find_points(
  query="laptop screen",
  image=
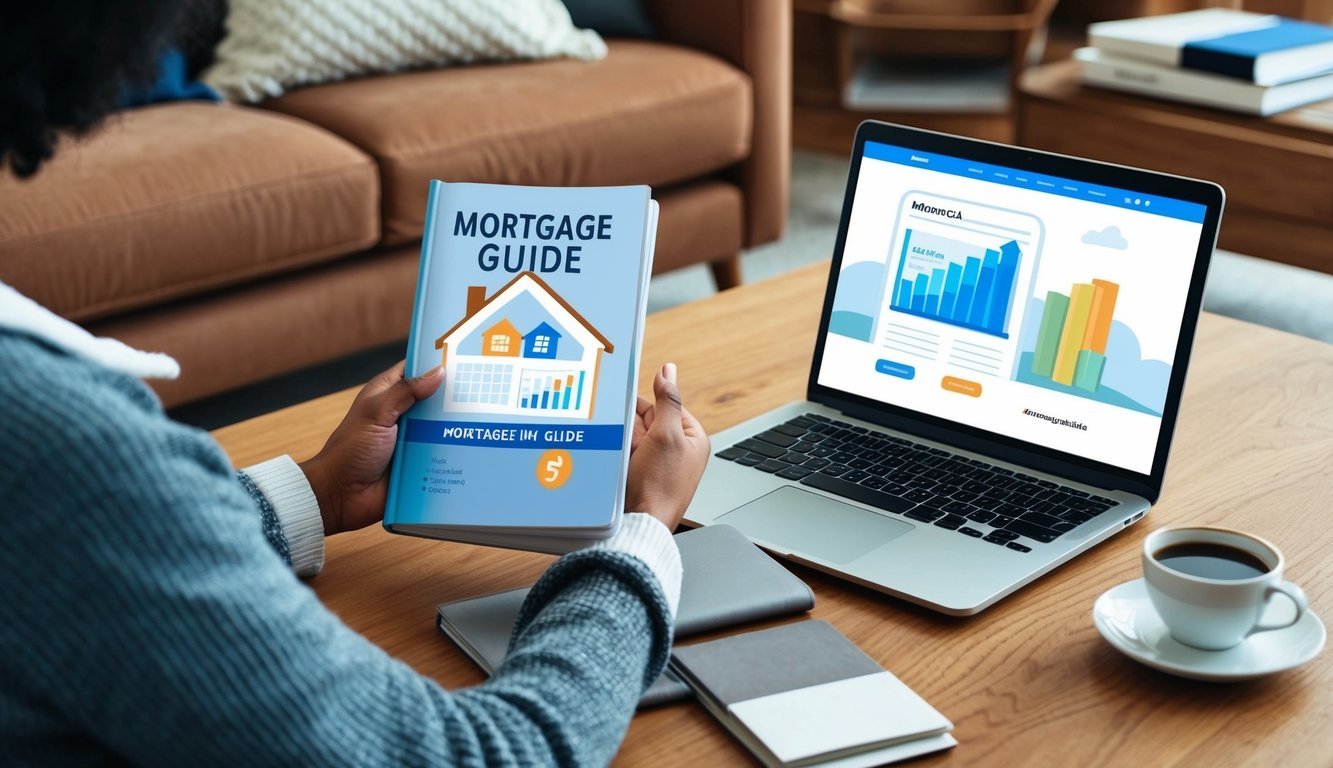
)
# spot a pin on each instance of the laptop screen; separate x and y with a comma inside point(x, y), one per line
point(1040, 308)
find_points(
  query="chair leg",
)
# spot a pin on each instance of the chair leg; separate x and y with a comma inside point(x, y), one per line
point(726, 273)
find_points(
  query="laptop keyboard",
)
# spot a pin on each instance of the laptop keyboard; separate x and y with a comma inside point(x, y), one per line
point(921, 483)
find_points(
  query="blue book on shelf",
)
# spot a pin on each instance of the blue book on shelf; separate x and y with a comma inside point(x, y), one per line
point(533, 300)
point(1259, 48)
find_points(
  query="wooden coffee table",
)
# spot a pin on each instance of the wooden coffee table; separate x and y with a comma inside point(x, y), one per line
point(1277, 171)
point(1029, 681)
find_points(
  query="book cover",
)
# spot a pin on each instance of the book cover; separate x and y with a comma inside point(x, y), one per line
point(1260, 48)
point(1149, 79)
point(533, 300)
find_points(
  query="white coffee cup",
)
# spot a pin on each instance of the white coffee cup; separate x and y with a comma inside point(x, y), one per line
point(1215, 613)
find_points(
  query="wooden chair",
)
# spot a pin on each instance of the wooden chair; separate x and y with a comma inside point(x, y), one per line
point(1002, 29)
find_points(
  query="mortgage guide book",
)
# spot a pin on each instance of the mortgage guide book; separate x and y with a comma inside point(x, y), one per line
point(533, 300)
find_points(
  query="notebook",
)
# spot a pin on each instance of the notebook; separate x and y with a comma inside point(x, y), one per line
point(727, 581)
point(802, 694)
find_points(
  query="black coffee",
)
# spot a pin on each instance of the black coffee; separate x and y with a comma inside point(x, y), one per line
point(1211, 561)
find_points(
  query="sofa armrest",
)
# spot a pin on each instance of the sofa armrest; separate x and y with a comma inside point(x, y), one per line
point(755, 36)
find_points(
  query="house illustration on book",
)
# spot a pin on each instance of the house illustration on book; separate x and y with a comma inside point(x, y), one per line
point(522, 352)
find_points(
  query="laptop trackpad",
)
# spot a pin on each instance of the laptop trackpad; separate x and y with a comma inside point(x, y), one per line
point(794, 520)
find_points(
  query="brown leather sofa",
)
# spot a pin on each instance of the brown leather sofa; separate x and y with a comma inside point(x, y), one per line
point(250, 242)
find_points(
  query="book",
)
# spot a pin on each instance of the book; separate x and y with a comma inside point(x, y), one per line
point(726, 581)
point(533, 300)
point(1259, 48)
point(802, 694)
point(1105, 70)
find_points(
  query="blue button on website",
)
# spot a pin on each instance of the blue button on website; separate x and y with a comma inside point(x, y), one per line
point(895, 369)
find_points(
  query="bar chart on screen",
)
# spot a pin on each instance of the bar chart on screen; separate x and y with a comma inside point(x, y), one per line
point(960, 283)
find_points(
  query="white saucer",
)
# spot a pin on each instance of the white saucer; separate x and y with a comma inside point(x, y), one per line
point(1125, 617)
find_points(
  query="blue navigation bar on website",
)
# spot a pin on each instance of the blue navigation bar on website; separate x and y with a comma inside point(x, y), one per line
point(1119, 198)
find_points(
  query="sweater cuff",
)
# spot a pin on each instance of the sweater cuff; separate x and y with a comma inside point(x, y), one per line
point(285, 486)
point(645, 537)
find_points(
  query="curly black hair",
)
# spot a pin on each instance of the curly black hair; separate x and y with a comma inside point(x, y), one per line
point(65, 63)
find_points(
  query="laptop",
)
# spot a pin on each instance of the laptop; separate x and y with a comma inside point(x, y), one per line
point(996, 375)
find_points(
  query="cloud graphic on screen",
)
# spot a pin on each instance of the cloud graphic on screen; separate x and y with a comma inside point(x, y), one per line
point(1144, 381)
point(1109, 237)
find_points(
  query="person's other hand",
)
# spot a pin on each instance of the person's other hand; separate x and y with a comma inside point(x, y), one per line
point(668, 453)
point(349, 475)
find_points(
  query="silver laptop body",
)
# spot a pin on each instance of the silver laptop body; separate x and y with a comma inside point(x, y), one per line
point(909, 546)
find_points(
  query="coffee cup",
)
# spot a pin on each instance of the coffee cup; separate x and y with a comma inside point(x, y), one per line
point(1211, 585)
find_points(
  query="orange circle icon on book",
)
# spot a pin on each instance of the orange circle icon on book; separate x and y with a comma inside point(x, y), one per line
point(554, 468)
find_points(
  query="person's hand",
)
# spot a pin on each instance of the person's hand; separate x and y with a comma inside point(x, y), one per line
point(668, 453)
point(349, 475)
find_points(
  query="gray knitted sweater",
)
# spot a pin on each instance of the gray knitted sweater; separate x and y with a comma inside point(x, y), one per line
point(146, 618)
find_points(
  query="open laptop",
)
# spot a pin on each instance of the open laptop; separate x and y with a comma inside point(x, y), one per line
point(996, 375)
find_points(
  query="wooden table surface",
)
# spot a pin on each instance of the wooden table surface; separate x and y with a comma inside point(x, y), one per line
point(1027, 682)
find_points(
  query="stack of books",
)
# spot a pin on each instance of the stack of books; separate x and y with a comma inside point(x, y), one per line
point(1247, 62)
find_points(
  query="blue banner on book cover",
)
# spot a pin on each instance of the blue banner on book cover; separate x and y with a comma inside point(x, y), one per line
point(532, 300)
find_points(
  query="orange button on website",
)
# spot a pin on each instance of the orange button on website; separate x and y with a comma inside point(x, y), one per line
point(961, 386)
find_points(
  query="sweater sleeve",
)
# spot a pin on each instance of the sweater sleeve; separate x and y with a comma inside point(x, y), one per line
point(287, 505)
point(147, 610)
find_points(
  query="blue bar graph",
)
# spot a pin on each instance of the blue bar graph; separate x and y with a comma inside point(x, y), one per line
point(978, 313)
point(919, 294)
point(933, 293)
point(959, 283)
point(951, 290)
point(551, 390)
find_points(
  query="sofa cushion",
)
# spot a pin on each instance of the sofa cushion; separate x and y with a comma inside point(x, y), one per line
point(275, 45)
point(649, 113)
point(176, 199)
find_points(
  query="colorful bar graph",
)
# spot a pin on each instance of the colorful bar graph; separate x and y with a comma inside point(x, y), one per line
point(551, 390)
point(955, 282)
point(1072, 338)
point(1088, 370)
point(1048, 334)
point(1099, 325)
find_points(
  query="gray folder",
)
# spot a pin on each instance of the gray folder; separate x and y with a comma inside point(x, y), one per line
point(801, 694)
point(727, 581)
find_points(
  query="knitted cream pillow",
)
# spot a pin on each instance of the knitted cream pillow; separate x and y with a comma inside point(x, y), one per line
point(273, 45)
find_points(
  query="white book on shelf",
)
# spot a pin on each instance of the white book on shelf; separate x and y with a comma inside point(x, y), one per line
point(1120, 73)
point(1252, 47)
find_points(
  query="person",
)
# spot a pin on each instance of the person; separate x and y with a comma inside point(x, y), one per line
point(152, 610)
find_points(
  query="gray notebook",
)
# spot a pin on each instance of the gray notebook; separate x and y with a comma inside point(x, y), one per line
point(727, 581)
point(802, 694)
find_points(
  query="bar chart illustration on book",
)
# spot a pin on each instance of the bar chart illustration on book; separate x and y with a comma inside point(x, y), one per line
point(523, 351)
point(1041, 308)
